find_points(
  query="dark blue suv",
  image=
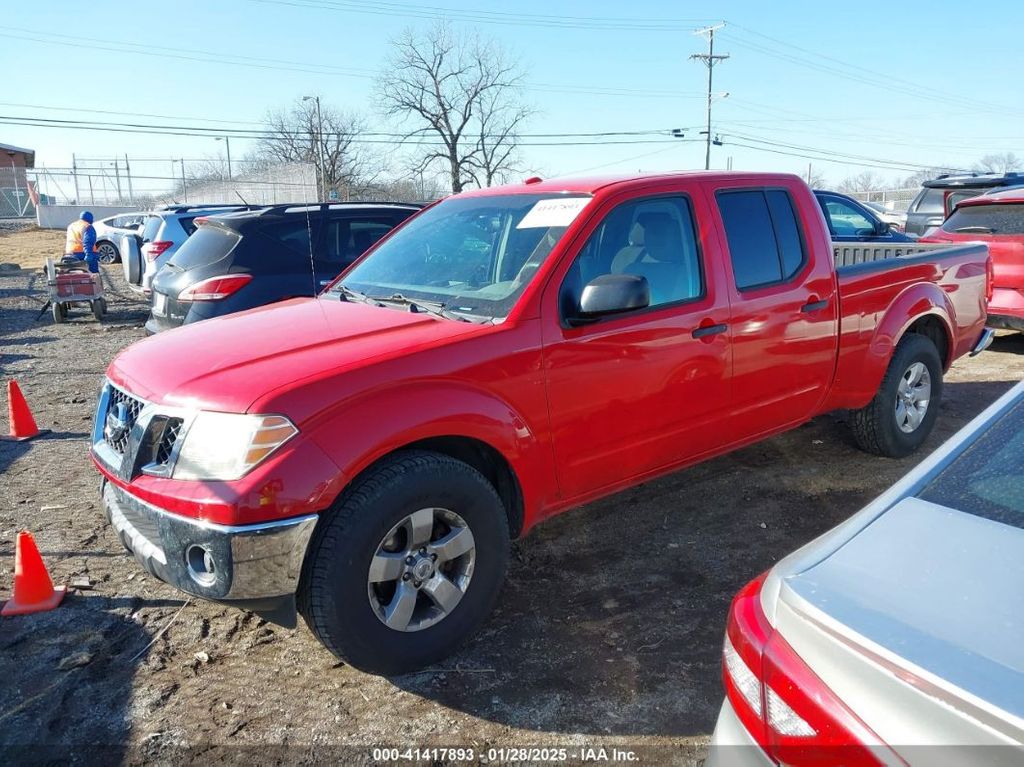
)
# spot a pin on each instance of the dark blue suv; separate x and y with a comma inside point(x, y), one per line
point(851, 221)
point(238, 261)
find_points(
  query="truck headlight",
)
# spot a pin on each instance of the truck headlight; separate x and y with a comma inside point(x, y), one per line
point(228, 445)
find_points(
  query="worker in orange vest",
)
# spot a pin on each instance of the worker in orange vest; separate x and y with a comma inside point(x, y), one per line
point(81, 242)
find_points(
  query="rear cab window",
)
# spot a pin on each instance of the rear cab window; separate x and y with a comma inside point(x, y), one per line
point(987, 479)
point(986, 219)
point(766, 246)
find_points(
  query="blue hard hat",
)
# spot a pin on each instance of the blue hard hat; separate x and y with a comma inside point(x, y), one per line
point(86, 216)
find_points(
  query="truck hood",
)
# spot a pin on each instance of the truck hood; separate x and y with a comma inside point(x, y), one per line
point(229, 362)
point(937, 593)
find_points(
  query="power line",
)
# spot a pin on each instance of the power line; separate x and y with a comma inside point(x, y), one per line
point(210, 57)
point(393, 139)
point(438, 13)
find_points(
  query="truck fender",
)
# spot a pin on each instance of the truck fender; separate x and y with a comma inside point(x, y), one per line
point(913, 304)
point(371, 426)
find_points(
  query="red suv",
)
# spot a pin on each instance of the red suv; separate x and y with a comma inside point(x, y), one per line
point(996, 219)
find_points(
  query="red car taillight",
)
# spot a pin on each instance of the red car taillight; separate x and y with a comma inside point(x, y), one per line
point(152, 250)
point(788, 710)
point(990, 280)
point(215, 288)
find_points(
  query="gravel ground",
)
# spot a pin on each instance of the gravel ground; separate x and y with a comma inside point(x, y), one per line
point(608, 631)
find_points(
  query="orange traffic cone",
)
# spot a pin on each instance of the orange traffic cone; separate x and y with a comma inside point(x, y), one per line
point(33, 589)
point(23, 425)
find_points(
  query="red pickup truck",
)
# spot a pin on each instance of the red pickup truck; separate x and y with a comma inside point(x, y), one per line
point(504, 355)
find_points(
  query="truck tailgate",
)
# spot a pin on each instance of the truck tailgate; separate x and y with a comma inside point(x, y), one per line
point(916, 623)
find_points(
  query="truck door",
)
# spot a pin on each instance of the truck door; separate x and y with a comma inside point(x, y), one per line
point(783, 306)
point(633, 392)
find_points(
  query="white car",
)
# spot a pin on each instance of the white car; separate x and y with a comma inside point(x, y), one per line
point(109, 231)
point(889, 216)
point(898, 636)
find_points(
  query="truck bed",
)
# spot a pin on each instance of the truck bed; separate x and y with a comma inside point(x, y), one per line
point(880, 284)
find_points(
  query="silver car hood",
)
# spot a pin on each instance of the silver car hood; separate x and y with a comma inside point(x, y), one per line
point(931, 596)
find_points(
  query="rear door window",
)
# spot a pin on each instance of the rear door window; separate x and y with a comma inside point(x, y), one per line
point(208, 245)
point(986, 219)
point(765, 243)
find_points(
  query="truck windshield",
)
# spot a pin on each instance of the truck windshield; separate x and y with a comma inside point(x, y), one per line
point(472, 256)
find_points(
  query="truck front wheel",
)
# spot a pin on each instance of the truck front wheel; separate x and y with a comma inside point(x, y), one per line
point(901, 416)
point(407, 565)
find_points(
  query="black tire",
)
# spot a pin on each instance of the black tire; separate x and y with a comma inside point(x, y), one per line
point(333, 594)
point(58, 312)
point(107, 251)
point(875, 427)
point(97, 308)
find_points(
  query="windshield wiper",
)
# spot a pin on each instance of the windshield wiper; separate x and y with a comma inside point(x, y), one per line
point(437, 308)
point(346, 293)
point(975, 229)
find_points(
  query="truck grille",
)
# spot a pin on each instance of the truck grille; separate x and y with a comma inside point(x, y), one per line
point(167, 441)
point(130, 414)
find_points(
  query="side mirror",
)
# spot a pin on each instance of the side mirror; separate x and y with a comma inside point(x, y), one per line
point(883, 228)
point(613, 294)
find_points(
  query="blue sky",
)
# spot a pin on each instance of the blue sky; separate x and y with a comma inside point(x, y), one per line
point(887, 84)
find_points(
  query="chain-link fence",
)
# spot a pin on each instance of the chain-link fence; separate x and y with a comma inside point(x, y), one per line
point(18, 194)
point(895, 199)
point(281, 184)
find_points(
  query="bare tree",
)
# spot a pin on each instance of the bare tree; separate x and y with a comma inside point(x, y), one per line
point(999, 163)
point(330, 141)
point(862, 182)
point(462, 94)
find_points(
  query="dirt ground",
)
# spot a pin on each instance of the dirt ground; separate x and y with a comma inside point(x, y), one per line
point(608, 631)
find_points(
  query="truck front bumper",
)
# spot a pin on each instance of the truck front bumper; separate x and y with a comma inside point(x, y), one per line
point(256, 567)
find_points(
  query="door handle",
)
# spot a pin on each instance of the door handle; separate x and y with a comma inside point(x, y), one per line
point(709, 330)
point(814, 306)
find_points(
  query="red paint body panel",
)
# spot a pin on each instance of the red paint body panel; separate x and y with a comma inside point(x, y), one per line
point(1006, 250)
point(577, 413)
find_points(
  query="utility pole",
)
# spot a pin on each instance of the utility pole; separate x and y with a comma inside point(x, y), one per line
point(227, 144)
point(184, 188)
point(710, 59)
point(128, 173)
point(117, 175)
point(74, 175)
point(320, 146)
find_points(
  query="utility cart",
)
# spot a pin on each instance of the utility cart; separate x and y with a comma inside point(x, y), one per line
point(70, 282)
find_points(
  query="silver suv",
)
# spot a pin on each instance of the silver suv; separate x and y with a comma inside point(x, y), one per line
point(163, 232)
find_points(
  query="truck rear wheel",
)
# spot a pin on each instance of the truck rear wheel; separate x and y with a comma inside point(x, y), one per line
point(407, 565)
point(901, 416)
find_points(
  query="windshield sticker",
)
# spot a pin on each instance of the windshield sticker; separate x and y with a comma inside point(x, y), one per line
point(557, 212)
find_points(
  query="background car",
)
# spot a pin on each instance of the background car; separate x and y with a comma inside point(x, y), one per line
point(246, 259)
point(997, 219)
point(897, 219)
point(163, 232)
point(109, 231)
point(939, 196)
point(851, 221)
point(900, 628)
